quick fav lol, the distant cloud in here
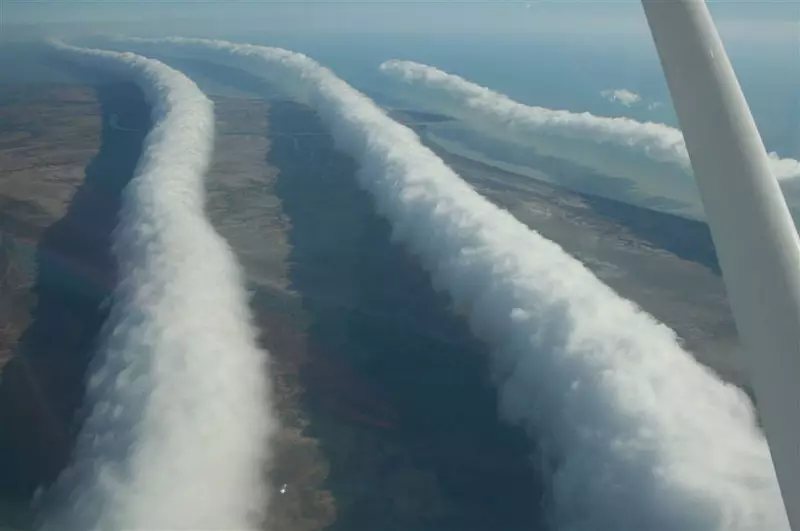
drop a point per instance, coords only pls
(623, 96)
(628, 98)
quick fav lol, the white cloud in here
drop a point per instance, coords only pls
(633, 433)
(652, 156)
(177, 399)
(473, 102)
(623, 96)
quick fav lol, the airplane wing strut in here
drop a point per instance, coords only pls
(753, 231)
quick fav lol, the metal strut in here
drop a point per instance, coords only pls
(753, 232)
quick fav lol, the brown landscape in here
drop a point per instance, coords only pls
(63, 171)
(48, 135)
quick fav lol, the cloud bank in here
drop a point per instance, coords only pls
(659, 141)
(616, 146)
(631, 431)
(177, 420)
(623, 96)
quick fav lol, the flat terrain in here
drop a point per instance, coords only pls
(68, 152)
(48, 135)
(244, 208)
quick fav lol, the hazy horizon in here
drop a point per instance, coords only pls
(774, 22)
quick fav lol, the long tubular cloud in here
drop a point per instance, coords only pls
(634, 433)
(652, 157)
(178, 424)
(479, 104)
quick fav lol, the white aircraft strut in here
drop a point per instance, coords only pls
(753, 232)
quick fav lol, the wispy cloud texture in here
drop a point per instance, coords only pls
(177, 399)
